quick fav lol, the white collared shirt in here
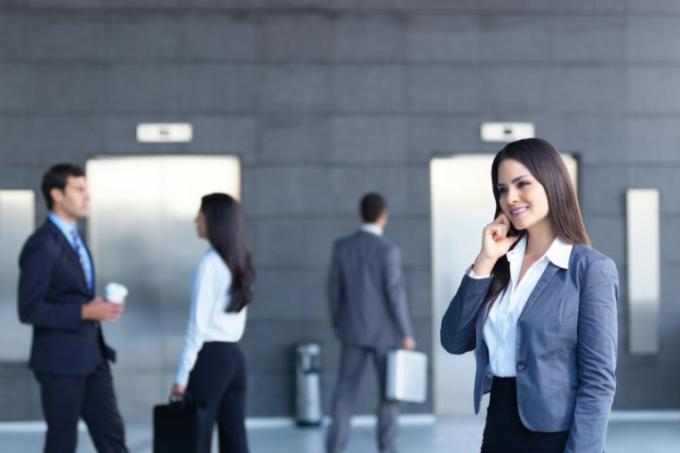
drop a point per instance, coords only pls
(208, 320)
(372, 228)
(500, 328)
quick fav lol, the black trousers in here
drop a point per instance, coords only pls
(504, 431)
(66, 398)
(218, 381)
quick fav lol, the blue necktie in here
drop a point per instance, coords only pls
(84, 258)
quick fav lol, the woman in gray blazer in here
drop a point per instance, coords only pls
(538, 307)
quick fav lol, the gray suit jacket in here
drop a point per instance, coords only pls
(366, 292)
(566, 347)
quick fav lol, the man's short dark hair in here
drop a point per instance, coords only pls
(56, 177)
(371, 207)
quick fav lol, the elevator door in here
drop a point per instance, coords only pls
(462, 203)
(142, 234)
(17, 221)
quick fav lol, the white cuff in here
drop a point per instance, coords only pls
(472, 274)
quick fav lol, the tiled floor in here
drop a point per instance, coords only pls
(450, 435)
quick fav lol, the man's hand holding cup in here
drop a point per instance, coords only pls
(109, 309)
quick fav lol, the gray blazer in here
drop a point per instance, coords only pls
(366, 292)
(566, 347)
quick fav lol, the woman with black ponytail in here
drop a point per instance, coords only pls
(212, 368)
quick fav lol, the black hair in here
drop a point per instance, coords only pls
(226, 233)
(544, 162)
(56, 177)
(371, 207)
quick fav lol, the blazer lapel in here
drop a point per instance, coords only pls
(548, 274)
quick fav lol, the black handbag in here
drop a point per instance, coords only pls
(181, 427)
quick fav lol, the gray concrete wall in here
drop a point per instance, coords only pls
(324, 100)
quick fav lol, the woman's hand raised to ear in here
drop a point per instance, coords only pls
(495, 243)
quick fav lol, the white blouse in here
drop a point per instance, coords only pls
(208, 320)
(500, 328)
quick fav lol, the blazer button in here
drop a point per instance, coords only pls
(521, 366)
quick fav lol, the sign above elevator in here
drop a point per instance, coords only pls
(165, 132)
(506, 132)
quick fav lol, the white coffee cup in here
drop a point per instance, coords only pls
(116, 293)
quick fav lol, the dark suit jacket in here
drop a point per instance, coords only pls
(366, 291)
(52, 290)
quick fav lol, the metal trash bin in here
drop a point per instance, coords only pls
(308, 384)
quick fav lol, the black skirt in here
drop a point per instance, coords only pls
(504, 431)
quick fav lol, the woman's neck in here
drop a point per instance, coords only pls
(539, 239)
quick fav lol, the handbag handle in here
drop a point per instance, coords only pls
(182, 400)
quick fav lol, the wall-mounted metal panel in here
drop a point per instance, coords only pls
(165, 133)
(644, 295)
(506, 132)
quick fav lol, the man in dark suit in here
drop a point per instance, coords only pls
(57, 296)
(370, 317)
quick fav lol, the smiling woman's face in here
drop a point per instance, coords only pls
(521, 197)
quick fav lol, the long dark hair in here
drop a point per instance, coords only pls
(545, 163)
(227, 234)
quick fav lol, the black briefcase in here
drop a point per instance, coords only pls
(180, 427)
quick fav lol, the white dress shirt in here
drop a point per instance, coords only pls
(372, 228)
(500, 328)
(208, 320)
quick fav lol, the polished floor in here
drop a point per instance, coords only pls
(448, 434)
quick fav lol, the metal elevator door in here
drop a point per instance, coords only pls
(462, 203)
(142, 234)
(17, 222)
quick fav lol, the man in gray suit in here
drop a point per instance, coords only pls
(370, 317)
